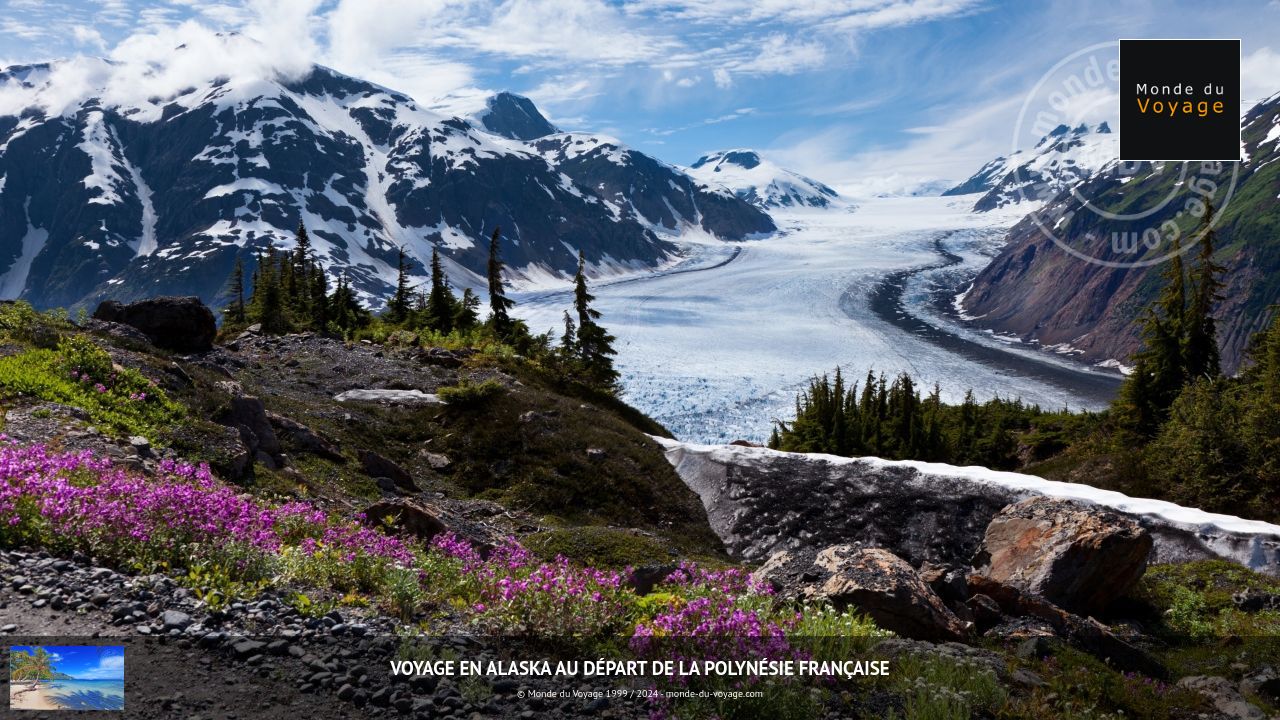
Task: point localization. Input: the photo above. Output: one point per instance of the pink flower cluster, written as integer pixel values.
(84, 501)
(714, 627)
(730, 581)
(517, 594)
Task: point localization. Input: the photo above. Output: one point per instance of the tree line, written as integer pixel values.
(289, 292)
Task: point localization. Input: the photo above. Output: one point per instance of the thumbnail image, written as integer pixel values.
(66, 677)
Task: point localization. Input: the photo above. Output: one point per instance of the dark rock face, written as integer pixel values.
(377, 466)
(515, 116)
(1079, 557)
(182, 324)
(761, 501)
(872, 580)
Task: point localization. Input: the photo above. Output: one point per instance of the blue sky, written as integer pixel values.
(868, 95)
(85, 662)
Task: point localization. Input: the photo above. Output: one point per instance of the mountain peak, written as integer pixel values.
(516, 117)
(756, 180)
(745, 159)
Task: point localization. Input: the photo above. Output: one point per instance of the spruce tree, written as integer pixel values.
(236, 313)
(271, 306)
(595, 344)
(467, 316)
(441, 305)
(499, 304)
(319, 300)
(1149, 393)
(569, 340)
(399, 305)
(1201, 355)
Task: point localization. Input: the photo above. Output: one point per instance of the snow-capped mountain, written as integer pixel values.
(104, 193)
(1063, 158)
(514, 116)
(761, 182)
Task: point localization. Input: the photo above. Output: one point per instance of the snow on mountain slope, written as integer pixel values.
(1063, 158)
(137, 194)
(761, 182)
(664, 197)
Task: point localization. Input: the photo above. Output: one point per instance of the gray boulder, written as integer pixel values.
(872, 580)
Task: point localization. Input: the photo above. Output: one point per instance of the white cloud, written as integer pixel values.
(110, 667)
(89, 37)
(782, 55)
(1259, 76)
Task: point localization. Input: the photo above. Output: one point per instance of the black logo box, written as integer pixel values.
(1187, 66)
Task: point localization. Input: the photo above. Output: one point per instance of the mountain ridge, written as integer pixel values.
(111, 196)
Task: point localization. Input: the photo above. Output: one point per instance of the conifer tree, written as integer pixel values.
(1202, 358)
(319, 301)
(595, 344)
(1149, 394)
(569, 340)
(271, 306)
(441, 305)
(467, 315)
(499, 304)
(399, 305)
(236, 313)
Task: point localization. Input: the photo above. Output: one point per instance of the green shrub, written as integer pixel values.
(599, 546)
(81, 374)
(20, 322)
(468, 394)
(943, 688)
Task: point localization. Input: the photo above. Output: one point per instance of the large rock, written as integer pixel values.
(1085, 633)
(406, 516)
(181, 324)
(1078, 556)
(377, 466)
(1225, 698)
(872, 580)
(249, 416)
(304, 438)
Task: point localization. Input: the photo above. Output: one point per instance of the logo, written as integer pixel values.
(1105, 210)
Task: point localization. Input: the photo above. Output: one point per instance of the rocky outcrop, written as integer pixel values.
(1085, 633)
(761, 501)
(377, 466)
(407, 517)
(872, 580)
(1222, 694)
(181, 324)
(392, 397)
(1077, 556)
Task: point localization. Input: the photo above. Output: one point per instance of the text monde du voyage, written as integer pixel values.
(1181, 99)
